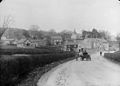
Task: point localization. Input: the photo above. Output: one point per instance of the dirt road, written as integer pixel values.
(98, 72)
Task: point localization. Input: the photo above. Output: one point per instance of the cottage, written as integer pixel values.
(31, 43)
(72, 45)
(56, 40)
(38, 43)
(6, 41)
(75, 36)
(21, 43)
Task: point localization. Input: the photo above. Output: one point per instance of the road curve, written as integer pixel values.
(98, 72)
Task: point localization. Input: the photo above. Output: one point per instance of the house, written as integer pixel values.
(31, 43)
(75, 43)
(71, 45)
(56, 40)
(21, 43)
(96, 43)
(38, 43)
(89, 43)
(6, 41)
(76, 36)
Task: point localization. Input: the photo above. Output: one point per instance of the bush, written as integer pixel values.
(15, 67)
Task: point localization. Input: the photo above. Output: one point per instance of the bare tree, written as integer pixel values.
(7, 20)
(5, 24)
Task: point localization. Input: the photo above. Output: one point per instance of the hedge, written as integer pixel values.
(113, 56)
(27, 51)
(12, 68)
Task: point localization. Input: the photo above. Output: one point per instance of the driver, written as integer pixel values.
(85, 52)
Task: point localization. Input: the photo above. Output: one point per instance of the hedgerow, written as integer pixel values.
(12, 68)
(113, 56)
(27, 51)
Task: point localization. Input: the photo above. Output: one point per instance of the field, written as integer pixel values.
(15, 64)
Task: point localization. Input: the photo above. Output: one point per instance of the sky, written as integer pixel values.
(63, 14)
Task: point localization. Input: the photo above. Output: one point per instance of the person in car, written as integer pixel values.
(85, 52)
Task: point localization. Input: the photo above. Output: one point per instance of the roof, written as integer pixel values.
(33, 41)
(14, 33)
(21, 41)
(71, 42)
(56, 37)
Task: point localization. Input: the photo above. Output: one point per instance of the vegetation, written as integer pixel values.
(96, 34)
(14, 67)
(43, 50)
(113, 56)
(5, 24)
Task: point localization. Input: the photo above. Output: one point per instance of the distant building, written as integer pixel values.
(38, 43)
(75, 43)
(89, 43)
(6, 41)
(96, 43)
(30, 43)
(56, 40)
(76, 36)
(72, 45)
(21, 43)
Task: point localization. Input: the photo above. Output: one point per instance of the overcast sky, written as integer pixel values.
(64, 14)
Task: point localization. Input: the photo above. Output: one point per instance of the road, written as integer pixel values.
(98, 72)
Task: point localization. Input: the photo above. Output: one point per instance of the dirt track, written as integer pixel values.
(98, 72)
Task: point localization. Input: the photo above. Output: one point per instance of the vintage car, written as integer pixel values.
(83, 55)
